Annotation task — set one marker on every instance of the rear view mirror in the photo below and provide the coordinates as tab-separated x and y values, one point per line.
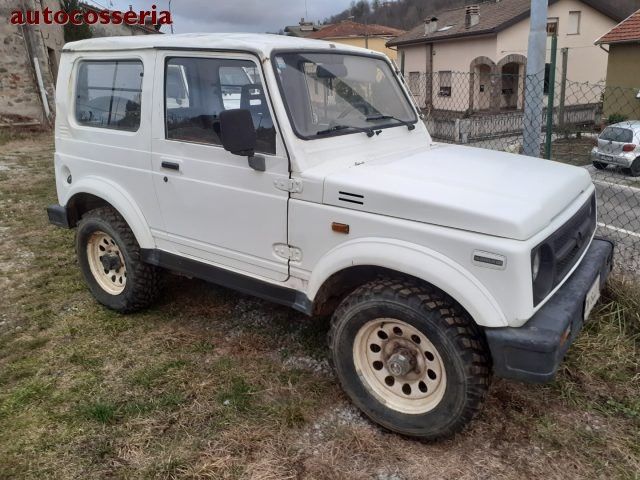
237	133
331	71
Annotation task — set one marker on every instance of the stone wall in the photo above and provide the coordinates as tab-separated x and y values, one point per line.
19	96
20	99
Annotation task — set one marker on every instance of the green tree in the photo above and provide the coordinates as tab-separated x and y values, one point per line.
75	32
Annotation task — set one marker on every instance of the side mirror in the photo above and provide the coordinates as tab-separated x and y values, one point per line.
237	133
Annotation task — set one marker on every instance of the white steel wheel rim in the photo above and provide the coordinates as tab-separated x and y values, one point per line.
106	263
381	347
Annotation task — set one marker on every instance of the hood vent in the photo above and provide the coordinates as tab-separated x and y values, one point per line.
351	198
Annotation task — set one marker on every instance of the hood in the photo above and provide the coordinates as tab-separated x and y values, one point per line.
474	189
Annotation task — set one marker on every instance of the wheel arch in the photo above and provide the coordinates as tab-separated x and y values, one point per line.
351	264
91	193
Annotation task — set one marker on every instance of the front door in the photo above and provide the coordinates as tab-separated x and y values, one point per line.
215	207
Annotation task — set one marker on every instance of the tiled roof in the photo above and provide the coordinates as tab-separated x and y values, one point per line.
354	29
626	31
495	16
302	30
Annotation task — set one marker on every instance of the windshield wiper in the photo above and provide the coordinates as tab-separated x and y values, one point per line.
369	131
373	118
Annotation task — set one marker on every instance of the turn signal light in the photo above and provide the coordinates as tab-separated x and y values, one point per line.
629	147
340	228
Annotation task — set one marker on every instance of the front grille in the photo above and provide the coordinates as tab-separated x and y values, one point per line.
572	239
568	243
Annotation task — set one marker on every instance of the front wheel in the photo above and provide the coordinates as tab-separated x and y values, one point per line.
109	257
410	358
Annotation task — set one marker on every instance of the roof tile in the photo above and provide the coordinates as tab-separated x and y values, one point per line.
626	31
353	29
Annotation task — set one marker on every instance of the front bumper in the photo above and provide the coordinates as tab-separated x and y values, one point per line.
532	353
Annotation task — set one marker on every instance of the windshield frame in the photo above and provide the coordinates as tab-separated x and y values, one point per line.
349	131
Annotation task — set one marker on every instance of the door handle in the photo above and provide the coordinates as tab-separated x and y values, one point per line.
171	165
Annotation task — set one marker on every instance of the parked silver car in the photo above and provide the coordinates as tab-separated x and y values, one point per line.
619	144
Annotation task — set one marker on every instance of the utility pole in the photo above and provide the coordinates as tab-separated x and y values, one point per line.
534	94
366	33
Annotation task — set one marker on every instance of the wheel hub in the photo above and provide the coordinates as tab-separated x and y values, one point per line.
111	261
401	363
106	263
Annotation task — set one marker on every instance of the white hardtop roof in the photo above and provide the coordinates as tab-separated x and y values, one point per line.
260	44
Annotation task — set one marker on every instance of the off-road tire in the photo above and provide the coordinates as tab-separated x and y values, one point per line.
599	165
460	343
143	281
634	169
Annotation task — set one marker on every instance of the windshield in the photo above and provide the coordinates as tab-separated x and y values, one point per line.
330	93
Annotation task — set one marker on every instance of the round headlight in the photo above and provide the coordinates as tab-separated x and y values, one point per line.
535	265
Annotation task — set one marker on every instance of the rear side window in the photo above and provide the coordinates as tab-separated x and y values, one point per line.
198	89
617	134
108	94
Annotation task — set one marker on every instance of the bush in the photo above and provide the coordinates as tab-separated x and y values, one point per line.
616	118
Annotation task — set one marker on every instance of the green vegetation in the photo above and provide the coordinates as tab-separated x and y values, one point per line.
616	118
74	32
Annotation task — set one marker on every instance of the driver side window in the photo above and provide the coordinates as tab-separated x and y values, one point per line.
197	90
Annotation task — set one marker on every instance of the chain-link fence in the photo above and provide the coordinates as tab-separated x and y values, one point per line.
594	126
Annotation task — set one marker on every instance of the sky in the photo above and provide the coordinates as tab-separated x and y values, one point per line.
234	15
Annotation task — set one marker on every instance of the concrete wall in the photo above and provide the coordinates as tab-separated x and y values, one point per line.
415	58
19	95
456	56
623	81
587	62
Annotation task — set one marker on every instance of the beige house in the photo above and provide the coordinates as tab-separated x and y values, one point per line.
622	95
371	36
475	56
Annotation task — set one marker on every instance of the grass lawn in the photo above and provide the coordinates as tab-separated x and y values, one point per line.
213	384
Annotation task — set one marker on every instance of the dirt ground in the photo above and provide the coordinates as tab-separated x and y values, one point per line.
213	384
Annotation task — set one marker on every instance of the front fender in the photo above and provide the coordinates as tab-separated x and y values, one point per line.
119	199
417	261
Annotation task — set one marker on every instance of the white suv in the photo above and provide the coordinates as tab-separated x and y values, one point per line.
440	265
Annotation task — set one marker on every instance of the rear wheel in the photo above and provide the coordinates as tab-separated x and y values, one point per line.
410	358
600	165
109	257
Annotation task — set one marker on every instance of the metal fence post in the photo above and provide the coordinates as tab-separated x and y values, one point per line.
534	95
551	91
563	87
